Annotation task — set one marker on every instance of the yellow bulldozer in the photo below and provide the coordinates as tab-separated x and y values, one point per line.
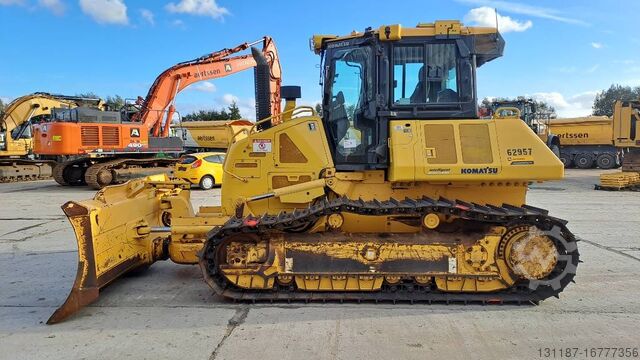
398	192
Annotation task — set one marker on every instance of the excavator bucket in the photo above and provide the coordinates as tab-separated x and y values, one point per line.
123	228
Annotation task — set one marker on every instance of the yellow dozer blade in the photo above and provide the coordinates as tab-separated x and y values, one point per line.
123	228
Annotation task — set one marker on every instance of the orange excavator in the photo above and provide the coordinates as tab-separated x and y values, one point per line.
110	147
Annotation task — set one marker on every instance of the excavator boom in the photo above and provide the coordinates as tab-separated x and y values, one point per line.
157	109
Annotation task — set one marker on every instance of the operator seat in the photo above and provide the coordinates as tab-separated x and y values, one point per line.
339	119
420	93
447	95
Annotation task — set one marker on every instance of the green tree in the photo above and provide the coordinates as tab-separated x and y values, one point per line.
115	102
319	109
88	95
232	112
603	103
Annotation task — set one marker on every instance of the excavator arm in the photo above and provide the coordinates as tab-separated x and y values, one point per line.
158	107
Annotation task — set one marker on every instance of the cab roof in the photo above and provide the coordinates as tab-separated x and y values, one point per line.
397	32
488	43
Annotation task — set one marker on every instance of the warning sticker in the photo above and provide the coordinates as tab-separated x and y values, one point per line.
262	145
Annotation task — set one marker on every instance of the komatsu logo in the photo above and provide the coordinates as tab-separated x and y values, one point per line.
337	44
484	170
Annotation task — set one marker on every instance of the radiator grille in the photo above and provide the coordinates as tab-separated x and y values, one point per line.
89	136
441	138
476	144
110	136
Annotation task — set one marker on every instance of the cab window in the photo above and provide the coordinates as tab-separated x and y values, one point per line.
351	90
425	74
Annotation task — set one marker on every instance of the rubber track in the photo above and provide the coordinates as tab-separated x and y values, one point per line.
91	176
505	215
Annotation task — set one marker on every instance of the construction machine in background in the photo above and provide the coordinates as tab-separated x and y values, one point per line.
113	147
399	192
626	138
17	159
586	142
214	135
538	122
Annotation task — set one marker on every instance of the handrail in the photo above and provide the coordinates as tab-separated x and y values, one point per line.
498	111
294	113
238	177
233	138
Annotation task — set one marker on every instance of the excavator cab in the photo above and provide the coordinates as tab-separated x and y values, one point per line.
379	76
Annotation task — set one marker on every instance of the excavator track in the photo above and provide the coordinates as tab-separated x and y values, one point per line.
68	174
522	292
12	170
100	174
58	174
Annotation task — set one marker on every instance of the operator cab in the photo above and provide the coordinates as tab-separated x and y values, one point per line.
395	73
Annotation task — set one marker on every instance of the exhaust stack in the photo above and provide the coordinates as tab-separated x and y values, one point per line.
262	76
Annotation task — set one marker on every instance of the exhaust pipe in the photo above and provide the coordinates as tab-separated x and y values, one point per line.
262	78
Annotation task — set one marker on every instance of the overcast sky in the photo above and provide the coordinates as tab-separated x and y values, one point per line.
559	51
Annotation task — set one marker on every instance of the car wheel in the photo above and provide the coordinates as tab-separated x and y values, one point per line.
555	149
606	161
583	161
207	182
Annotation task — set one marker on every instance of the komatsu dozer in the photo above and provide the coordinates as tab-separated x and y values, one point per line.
397	192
